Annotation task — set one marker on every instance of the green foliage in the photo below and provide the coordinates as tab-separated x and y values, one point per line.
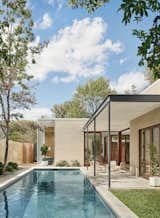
1	168
144	203
75	163
85	100
62	163
9	168
13	165
16	37
154	160
23	131
44	149
92	93
135	11
90	5
71	108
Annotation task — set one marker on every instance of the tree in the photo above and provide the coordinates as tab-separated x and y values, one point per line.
85	100
92	93
23	131
132	90
15	43
136	10
149	76
69	109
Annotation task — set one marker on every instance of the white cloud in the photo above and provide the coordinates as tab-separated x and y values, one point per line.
122	60
45	23
51	2
56	3
127	80
79	50
35	113
30	5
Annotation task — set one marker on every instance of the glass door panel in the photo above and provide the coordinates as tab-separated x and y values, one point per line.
142	156
147	143
149	136
90	150
156	138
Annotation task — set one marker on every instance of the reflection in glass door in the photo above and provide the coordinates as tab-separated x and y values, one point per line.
149	136
89	154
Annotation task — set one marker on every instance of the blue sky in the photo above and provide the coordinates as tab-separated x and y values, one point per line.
81	47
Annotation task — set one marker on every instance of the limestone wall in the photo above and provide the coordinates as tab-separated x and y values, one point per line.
69	140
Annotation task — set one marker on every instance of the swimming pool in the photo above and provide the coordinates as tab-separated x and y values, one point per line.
53	194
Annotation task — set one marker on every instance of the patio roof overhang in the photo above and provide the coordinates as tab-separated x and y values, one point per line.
123	109
115	114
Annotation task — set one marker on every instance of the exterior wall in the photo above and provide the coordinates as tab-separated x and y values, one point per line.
69	140
149	119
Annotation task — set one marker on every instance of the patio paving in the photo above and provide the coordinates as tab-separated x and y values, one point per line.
120	179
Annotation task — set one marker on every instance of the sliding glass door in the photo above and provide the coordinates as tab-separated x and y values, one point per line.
89	152
148	137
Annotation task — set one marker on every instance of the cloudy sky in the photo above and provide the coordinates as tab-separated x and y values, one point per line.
81	46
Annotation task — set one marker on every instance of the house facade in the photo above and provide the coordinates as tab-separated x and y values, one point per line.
145	131
64	138
134	124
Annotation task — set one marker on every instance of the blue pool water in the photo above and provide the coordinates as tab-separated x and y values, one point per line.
52	194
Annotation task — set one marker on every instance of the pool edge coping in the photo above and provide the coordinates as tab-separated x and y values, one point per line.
117	206
15	178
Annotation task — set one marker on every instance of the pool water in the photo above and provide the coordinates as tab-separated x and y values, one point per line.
53	194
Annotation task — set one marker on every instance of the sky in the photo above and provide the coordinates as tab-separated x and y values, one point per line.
81	46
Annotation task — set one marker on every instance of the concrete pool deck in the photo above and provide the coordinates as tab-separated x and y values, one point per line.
120	179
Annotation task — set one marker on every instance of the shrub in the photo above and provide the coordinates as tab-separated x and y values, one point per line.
62	163
14	165
1	168
75	163
11	166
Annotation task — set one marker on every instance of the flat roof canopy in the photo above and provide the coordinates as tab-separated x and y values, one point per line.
123	109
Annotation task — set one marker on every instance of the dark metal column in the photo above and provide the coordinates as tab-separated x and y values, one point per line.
95	150
119	147
87	149
109	145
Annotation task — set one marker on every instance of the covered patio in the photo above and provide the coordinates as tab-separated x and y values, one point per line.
115	115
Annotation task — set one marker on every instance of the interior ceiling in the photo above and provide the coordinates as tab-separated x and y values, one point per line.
121	114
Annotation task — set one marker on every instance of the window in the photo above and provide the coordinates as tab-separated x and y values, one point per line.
89	154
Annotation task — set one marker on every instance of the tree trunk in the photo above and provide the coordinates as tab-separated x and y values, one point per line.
7	129
7	146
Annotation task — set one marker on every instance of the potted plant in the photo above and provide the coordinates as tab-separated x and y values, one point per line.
44	150
154	179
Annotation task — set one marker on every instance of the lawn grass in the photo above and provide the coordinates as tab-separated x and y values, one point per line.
144	203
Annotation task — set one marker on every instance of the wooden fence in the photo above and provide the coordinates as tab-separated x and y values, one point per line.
18	152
